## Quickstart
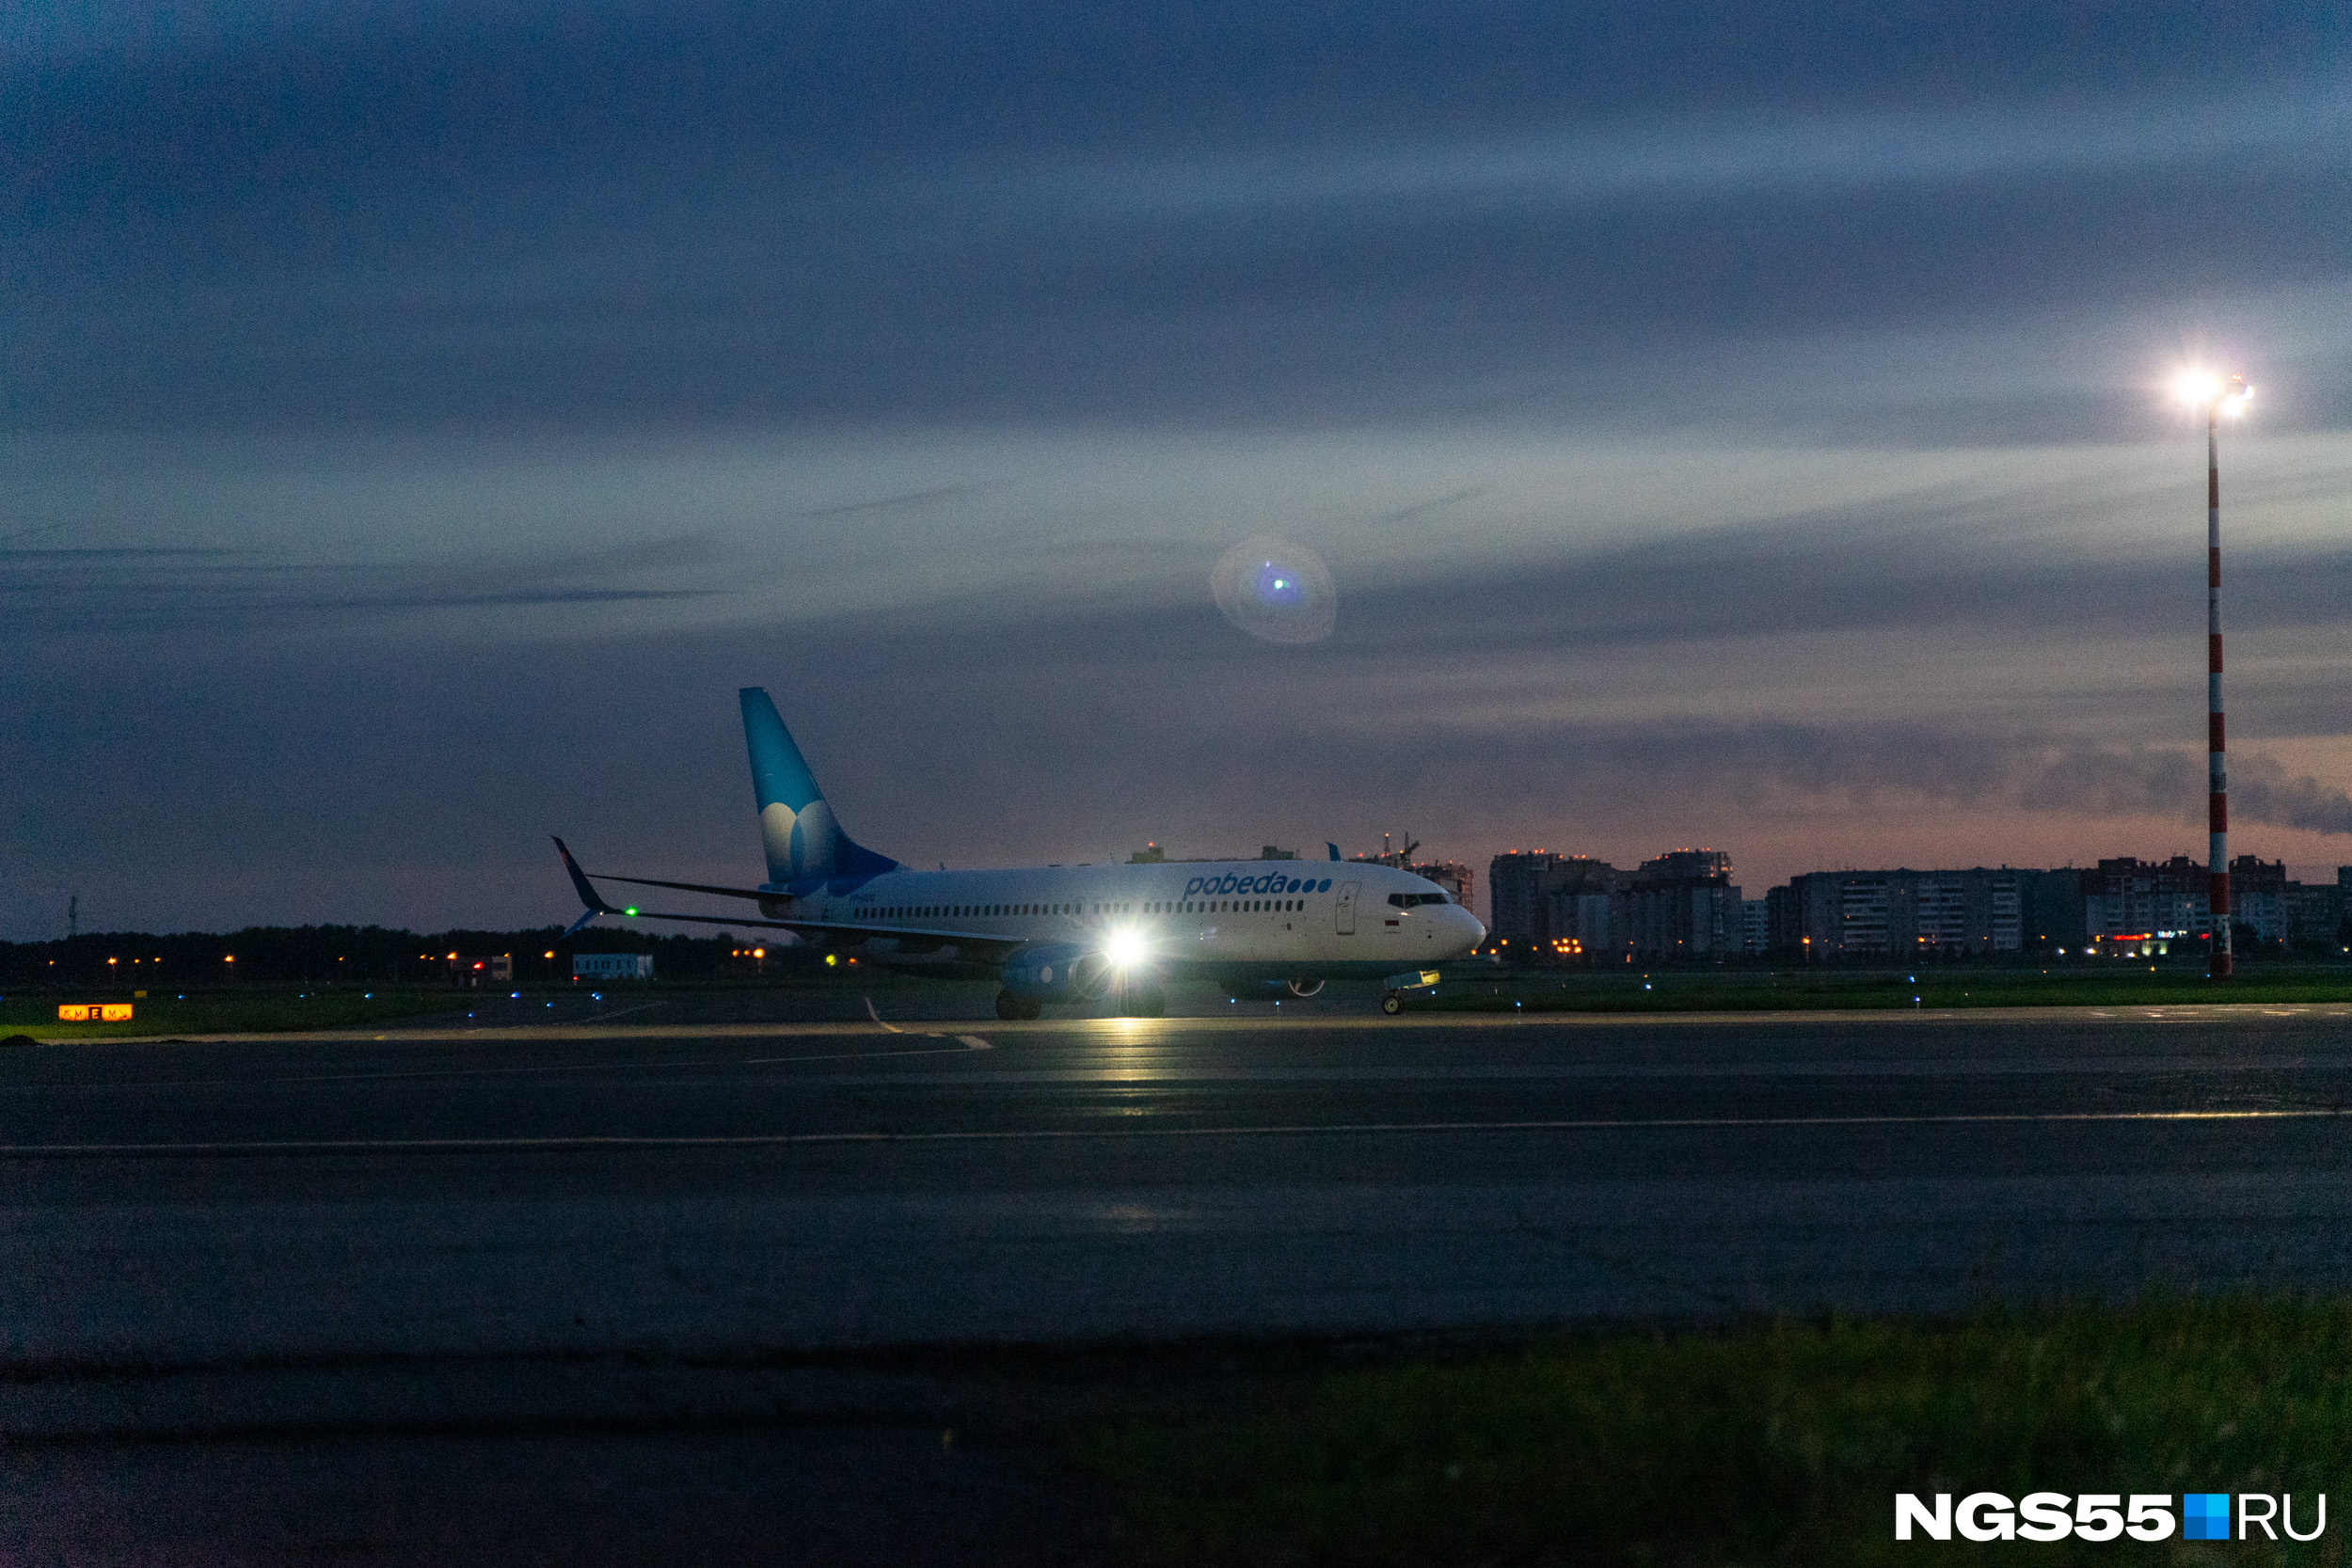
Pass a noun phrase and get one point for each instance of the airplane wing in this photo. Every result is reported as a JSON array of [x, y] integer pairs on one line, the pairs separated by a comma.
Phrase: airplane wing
[[834, 933], [683, 887]]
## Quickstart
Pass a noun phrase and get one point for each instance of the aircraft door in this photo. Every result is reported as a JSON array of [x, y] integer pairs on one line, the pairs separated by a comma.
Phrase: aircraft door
[[1346, 916]]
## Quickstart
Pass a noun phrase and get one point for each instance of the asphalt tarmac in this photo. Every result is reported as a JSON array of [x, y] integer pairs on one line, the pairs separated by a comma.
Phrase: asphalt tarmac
[[446, 1252]]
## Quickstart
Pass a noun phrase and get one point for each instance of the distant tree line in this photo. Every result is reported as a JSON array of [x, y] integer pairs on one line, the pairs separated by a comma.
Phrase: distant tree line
[[360, 957]]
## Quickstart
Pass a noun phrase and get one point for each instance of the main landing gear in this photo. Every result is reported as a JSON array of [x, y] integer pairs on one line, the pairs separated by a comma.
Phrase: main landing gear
[[1011, 1006]]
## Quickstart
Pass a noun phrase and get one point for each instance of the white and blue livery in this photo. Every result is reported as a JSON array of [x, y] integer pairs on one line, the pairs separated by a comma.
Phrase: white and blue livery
[[1070, 933]]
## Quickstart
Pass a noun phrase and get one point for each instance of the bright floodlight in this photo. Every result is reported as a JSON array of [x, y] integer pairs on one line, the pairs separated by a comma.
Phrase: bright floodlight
[[2205, 389]]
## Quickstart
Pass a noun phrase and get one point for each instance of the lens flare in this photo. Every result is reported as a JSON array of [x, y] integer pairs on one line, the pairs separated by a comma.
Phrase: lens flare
[[1273, 589]]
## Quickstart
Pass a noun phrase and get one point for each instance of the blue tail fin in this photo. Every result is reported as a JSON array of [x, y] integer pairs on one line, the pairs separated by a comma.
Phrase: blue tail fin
[[804, 845]]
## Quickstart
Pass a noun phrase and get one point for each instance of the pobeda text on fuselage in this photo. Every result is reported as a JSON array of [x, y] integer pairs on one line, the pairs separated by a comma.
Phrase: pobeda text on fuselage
[[1069, 933]]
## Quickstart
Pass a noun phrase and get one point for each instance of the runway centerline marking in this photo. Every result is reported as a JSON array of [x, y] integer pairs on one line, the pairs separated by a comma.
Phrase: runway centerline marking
[[779, 1140]]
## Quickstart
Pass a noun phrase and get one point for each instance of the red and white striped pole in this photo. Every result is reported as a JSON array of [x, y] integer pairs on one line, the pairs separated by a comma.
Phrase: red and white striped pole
[[2217, 777], [2216, 398]]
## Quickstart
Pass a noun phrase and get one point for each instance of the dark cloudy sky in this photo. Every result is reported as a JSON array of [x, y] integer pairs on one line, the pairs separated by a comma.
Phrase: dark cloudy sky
[[1737, 425]]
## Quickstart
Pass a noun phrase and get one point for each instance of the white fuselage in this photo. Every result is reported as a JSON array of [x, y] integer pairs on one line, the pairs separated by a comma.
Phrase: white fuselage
[[1270, 918]]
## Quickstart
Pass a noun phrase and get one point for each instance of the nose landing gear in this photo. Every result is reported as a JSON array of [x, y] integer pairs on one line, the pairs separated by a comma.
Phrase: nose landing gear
[[1392, 999]]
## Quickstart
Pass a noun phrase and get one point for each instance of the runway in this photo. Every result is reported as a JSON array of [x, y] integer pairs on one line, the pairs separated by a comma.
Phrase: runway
[[652, 1282], [718, 1190]]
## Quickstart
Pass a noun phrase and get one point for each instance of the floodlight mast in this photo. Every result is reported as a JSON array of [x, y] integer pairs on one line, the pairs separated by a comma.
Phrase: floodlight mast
[[2216, 398]]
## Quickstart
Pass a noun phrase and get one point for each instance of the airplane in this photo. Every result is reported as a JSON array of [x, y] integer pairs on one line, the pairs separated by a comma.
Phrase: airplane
[[1069, 933]]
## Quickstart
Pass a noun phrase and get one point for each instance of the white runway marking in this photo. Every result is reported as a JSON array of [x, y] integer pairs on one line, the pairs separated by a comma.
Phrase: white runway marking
[[778, 1140], [875, 1016]]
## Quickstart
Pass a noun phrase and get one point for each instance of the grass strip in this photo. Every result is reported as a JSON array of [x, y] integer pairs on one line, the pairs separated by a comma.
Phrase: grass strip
[[1775, 1444]]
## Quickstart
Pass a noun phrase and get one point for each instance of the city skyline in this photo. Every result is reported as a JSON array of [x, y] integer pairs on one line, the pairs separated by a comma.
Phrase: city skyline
[[1752, 432]]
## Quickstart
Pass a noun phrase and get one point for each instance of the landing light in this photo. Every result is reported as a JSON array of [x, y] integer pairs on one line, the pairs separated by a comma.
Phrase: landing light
[[1124, 949]]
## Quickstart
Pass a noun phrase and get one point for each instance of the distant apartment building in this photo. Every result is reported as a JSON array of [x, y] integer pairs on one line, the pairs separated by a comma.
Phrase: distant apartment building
[[1589, 909], [1573, 907], [1904, 912], [1519, 884], [2258, 897], [2147, 905], [2315, 911], [1682, 905]]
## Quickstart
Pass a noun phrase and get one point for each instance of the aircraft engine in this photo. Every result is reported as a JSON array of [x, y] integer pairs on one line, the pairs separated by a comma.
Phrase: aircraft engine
[[1058, 972]]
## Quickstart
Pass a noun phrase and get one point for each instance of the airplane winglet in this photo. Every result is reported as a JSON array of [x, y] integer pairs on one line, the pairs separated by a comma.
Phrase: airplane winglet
[[1333, 848], [588, 894]]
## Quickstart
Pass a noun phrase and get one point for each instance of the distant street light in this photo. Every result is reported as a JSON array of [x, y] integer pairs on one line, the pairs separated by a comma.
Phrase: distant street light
[[2216, 397]]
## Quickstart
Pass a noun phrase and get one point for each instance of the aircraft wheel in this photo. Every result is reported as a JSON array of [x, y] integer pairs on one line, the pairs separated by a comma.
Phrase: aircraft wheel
[[1149, 1002], [1010, 1007], [1392, 1003]]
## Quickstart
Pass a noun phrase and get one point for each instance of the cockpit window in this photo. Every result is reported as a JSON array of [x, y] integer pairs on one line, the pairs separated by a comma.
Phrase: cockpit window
[[1410, 900]]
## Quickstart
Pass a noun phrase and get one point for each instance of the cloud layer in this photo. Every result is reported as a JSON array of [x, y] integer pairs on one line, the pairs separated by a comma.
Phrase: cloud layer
[[1738, 425]]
